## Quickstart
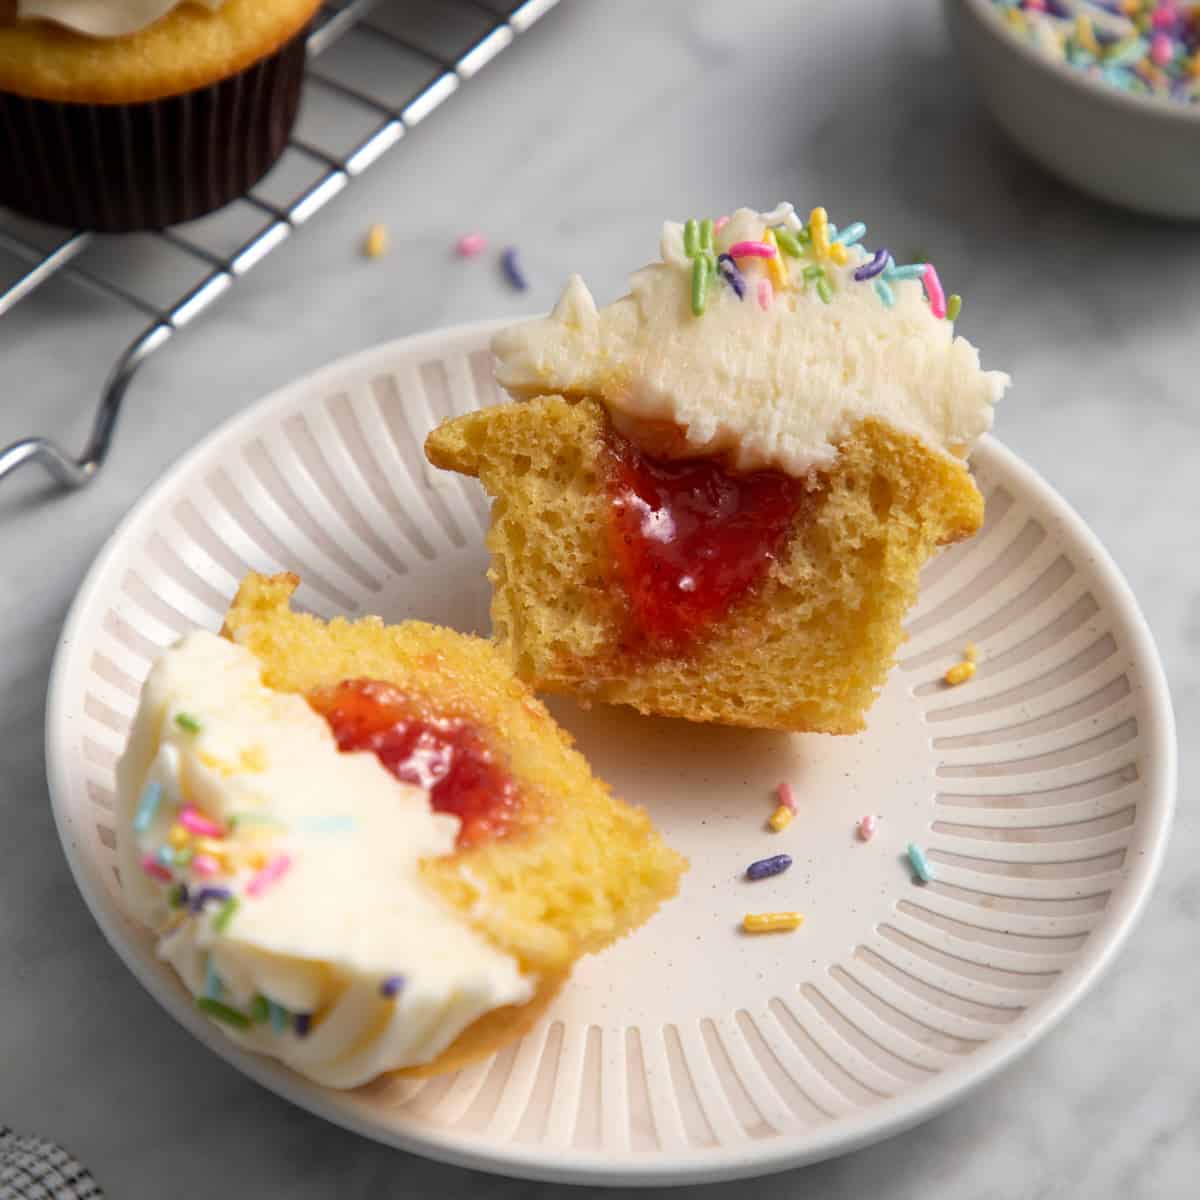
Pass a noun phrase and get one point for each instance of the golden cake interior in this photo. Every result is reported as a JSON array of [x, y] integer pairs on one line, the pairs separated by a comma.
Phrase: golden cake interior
[[582, 870], [808, 650]]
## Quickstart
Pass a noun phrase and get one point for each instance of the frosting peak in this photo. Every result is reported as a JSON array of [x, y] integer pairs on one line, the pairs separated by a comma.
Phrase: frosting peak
[[104, 18], [766, 339]]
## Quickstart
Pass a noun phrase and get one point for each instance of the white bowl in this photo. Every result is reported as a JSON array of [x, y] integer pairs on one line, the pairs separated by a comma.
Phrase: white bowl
[[1140, 152]]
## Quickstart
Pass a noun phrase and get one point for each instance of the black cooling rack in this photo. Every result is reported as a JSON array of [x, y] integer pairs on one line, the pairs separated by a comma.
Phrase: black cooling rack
[[375, 70]]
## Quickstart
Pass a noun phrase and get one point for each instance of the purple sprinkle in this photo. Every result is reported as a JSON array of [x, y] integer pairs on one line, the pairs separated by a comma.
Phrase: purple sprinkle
[[204, 895], [766, 867], [874, 267], [303, 1024], [392, 985], [512, 269], [732, 275]]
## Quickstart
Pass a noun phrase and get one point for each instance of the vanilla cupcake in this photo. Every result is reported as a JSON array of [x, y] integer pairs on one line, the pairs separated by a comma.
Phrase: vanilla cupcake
[[120, 115]]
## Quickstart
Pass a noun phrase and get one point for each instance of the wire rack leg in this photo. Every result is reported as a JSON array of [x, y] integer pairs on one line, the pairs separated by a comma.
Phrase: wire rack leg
[[65, 469]]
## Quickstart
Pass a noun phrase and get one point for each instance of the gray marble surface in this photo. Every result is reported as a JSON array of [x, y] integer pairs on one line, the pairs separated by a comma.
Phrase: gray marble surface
[[573, 146]]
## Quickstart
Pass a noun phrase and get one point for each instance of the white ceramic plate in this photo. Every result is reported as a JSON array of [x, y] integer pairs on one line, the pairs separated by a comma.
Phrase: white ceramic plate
[[1042, 791]]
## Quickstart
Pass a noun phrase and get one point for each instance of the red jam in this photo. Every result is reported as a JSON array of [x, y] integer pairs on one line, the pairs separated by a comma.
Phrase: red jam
[[690, 539], [445, 755]]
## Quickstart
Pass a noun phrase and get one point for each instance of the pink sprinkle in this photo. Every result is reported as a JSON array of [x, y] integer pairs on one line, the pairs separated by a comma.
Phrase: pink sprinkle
[[933, 289], [720, 224], [868, 827], [1162, 49], [205, 865], [751, 250], [191, 818], [1164, 17], [155, 869], [470, 245], [270, 874], [1036, 5], [787, 798], [766, 293]]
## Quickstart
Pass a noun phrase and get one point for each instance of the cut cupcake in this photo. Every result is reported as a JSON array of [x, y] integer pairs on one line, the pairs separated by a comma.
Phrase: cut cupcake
[[714, 497], [368, 849]]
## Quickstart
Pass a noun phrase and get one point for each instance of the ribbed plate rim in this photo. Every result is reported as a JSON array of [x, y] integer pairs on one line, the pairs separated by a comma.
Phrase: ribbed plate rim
[[840, 1136]]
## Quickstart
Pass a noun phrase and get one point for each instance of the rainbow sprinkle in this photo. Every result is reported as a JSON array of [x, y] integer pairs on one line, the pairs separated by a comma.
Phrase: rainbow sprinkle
[[1146, 47], [786, 796], [392, 986], [156, 870], [919, 863], [868, 826], [511, 265], [776, 922], [222, 1012], [303, 1024], [194, 821], [470, 245], [187, 723], [270, 874], [228, 909], [781, 818], [764, 868], [147, 808]]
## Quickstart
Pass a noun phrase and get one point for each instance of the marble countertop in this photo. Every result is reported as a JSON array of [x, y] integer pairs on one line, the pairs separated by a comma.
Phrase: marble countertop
[[573, 145]]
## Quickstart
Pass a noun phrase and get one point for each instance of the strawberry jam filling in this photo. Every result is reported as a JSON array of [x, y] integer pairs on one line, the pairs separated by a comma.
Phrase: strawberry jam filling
[[690, 539], [445, 755]]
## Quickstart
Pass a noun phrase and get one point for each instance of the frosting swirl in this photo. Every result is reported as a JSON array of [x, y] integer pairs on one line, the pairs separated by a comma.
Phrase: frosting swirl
[[766, 340], [104, 18]]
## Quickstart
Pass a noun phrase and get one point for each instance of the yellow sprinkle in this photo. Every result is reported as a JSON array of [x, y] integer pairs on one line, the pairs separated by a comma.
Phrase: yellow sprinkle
[[376, 244], [777, 270], [1194, 65], [219, 765], [178, 837], [971, 652], [1085, 35], [253, 760], [781, 818], [960, 673], [771, 922], [818, 225]]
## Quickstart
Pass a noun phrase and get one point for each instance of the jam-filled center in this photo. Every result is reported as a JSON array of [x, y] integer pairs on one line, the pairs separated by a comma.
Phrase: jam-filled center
[[690, 538], [445, 755]]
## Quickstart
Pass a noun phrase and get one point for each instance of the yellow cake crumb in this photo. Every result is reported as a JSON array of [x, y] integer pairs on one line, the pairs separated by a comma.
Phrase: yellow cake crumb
[[809, 651]]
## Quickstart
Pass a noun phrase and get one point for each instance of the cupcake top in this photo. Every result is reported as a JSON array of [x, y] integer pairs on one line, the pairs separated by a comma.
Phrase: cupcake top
[[282, 876], [104, 18], [764, 339]]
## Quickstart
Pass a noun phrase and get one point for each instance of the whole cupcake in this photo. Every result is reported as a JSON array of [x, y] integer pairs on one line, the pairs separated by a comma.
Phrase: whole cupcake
[[119, 115]]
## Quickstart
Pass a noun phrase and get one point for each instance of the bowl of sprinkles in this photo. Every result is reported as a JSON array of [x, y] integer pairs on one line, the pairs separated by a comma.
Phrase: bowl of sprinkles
[[1103, 93]]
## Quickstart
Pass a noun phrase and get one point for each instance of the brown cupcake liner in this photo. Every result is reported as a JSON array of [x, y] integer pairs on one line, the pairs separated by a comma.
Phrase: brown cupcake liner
[[115, 168]]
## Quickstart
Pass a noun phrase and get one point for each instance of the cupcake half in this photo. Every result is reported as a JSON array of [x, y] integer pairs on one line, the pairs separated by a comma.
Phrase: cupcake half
[[120, 115], [368, 849], [714, 496]]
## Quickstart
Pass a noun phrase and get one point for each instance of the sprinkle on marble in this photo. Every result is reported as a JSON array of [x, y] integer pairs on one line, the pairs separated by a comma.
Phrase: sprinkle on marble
[[510, 263]]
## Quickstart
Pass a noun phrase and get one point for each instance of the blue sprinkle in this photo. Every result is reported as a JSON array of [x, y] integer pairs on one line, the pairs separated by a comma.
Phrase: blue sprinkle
[[213, 987], [920, 864], [885, 293], [732, 275], [876, 266], [147, 808], [303, 1024], [854, 232], [165, 856], [911, 271], [391, 986], [277, 1015], [766, 867], [512, 269]]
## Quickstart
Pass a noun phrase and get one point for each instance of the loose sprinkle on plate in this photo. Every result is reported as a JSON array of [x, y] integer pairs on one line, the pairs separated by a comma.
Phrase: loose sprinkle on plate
[[777, 922], [787, 797], [920, 864], [375, 245], [868, 826], [512, 269], [781, 818], [470, 245], [959, 673], [766, 867]]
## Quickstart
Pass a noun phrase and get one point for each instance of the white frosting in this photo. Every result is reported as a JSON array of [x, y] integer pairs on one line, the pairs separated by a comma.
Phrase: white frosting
[[349, 913], [770, 387], [104, 18]]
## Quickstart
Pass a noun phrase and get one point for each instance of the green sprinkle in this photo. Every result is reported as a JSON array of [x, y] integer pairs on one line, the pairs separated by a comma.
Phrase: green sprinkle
[[225, 914], [260, 1008], [824, 290], [184, 856], [177, 896], [691, 237], [953, 307], [706, 234], [788, 242], [700, 278], [222, 1012], [187, 723], [811, 273]]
